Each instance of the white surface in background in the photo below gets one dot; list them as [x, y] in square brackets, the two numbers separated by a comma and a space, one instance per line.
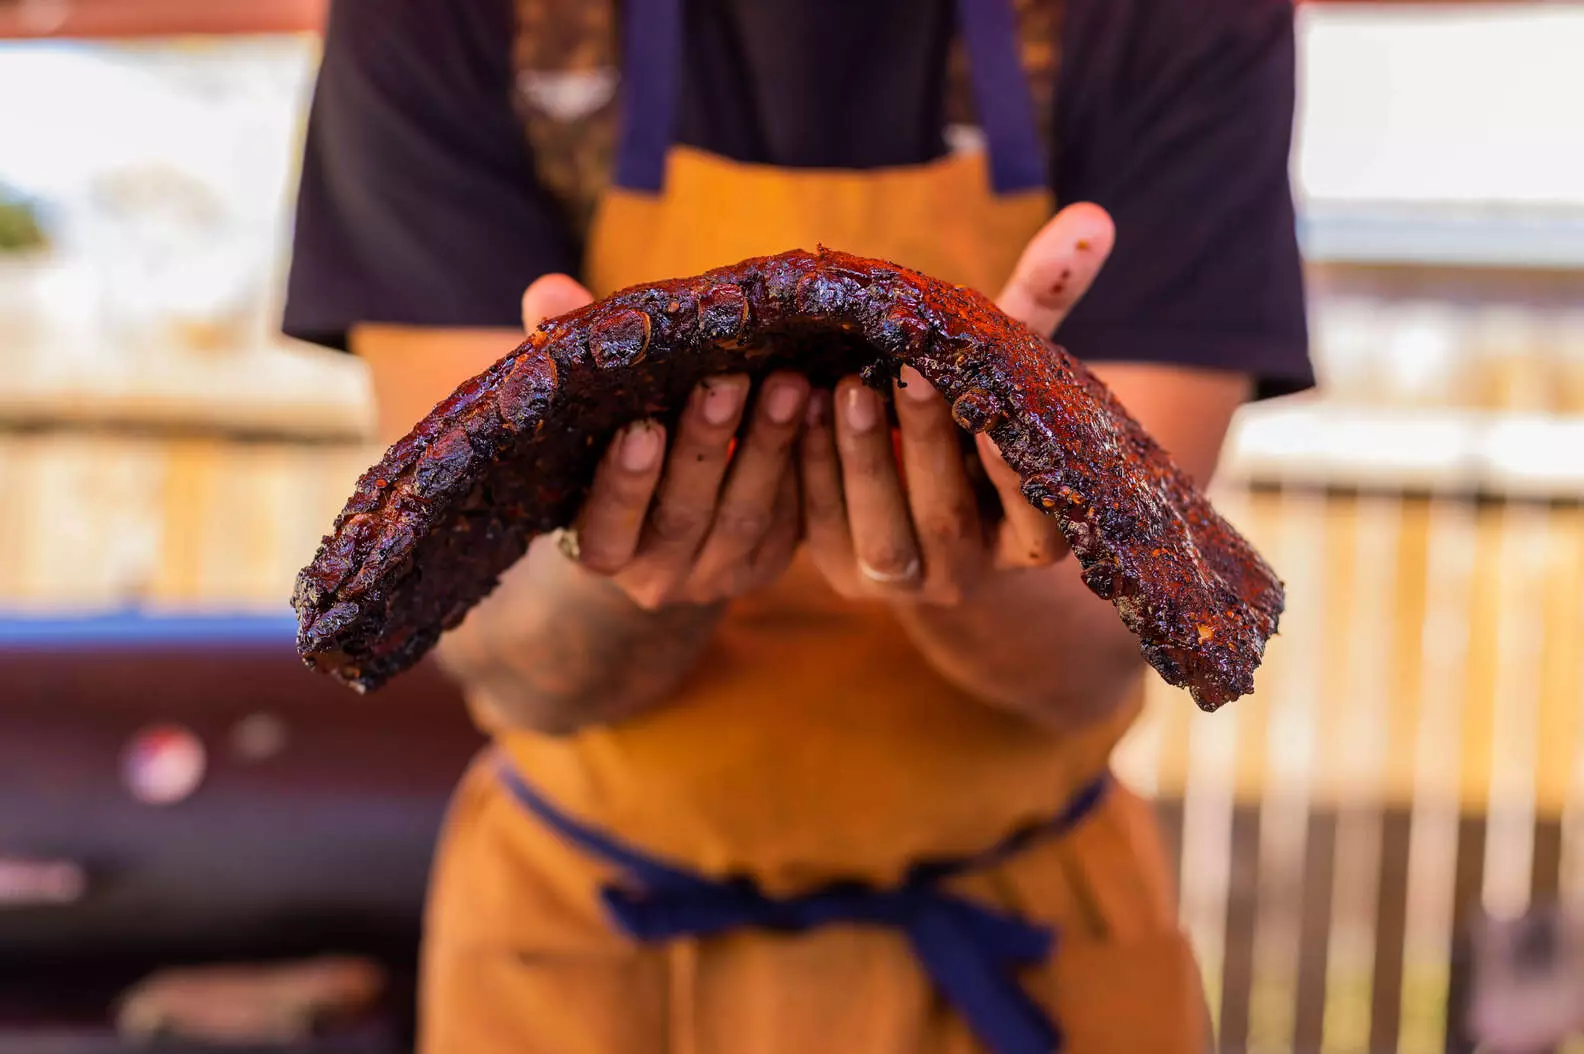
[1425, 132]
[163, 171]
[1442, 134]
[225, 112]
[1459, 451]
[1420, 103]
[1428, 133]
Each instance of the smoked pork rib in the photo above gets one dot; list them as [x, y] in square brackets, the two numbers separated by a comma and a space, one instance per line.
[510, 455]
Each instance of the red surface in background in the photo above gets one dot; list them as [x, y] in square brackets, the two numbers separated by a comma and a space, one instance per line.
[138, 18]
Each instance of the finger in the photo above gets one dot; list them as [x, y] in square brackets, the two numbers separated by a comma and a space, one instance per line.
[886, 552]
[824, 510]
[1058, 266]
[1028, 537]
[747, 503]
[685, 503]
[780, 541]
[611, 521]
[551, 295]
[944, 512]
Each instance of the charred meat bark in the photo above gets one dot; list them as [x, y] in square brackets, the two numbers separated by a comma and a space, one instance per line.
[510, 455]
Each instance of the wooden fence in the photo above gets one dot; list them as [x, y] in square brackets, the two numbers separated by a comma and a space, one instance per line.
[1412, 754]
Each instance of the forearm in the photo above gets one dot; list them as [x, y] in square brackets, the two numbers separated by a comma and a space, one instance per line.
[556, 648]
[1036, 642]
[411, 368]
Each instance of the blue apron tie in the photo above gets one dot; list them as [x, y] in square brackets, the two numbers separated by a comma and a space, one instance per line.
[651, 93]
[969, 951]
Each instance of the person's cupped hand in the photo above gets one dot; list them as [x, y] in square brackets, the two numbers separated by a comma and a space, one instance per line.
[898, 516]
[718, 508]
[699, 516]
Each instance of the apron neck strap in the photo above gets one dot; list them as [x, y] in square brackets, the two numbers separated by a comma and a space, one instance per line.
[651, 91]
[652, 51]
[1001, 94]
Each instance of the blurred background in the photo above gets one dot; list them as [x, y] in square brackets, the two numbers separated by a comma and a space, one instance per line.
[1376, 873]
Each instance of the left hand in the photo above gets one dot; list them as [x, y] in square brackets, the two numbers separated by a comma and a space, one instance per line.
[870, 535]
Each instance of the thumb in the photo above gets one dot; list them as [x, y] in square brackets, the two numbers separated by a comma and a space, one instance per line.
[1058, 266]
[551, 295]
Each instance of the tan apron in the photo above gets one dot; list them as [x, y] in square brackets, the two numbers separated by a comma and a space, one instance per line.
[813, 744]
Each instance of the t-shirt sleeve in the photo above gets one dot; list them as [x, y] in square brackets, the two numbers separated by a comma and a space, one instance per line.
[417, 203]
[1176, 116]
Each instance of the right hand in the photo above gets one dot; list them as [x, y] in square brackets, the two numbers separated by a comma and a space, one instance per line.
[700, 523]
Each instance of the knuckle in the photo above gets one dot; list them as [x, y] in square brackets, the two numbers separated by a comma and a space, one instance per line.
[869, 450]
[821, 505]
[604, 564]
[739, 524]
[815, 448]
[931, 425]
[771, 439]
[865, 461]
[953, 524]
[673, 523]
[630, 492]
[724, 584]
[779, 443]
[609, 515]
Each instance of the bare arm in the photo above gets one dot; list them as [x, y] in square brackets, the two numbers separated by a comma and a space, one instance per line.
[998, 610]
[412, 368]
[555, 648]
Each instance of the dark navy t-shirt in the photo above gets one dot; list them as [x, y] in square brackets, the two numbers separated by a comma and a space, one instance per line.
[419, 202]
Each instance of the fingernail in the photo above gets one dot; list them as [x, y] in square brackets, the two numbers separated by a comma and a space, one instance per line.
[914, 386]
[861, 409]
[818, 409]
[782, 403]
[640, 447]
[721, 400]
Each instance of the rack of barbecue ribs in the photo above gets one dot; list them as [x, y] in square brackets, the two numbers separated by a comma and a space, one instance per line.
[510, 454]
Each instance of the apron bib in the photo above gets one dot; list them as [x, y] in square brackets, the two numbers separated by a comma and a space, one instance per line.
[676, 210]
[812, 746]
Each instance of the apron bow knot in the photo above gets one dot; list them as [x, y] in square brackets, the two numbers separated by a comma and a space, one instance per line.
[970, 951]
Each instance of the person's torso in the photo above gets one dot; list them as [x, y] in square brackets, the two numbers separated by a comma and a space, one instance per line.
[813, 739]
